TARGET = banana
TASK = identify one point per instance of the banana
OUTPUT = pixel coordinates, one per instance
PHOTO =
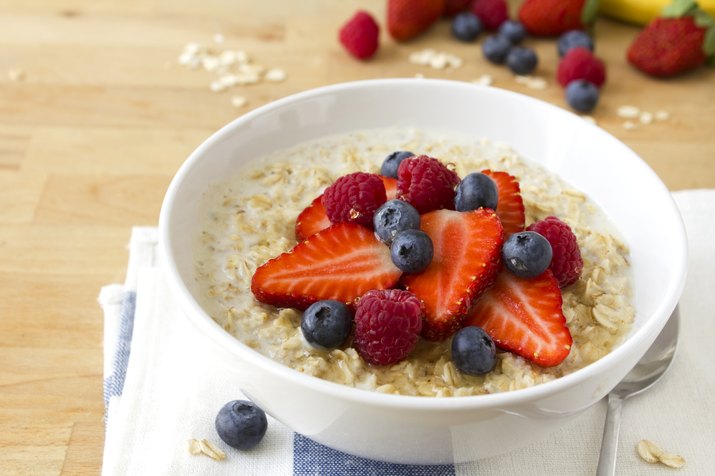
(642, 12)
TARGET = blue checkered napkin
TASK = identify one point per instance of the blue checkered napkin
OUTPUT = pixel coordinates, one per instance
(119, 358)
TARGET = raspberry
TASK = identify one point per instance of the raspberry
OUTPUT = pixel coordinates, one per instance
(387, 325)
(492, 12)
(360, 35)
(566, 264)
(580, 63)
(426, 184)
(354, 198)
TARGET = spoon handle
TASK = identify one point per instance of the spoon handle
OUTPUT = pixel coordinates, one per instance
(609, 443)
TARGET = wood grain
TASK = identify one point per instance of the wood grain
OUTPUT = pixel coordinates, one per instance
(102, 118)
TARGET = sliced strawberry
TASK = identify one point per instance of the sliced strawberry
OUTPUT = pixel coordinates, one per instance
(510, 206)
(390, 186)
(467, 247)
(524, 316)
(311, 220)
(341, 262)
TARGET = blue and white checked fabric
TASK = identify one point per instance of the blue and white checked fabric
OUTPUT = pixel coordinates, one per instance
(160, 391)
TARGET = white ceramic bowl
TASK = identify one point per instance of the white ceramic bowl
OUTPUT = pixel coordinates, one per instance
(423, 429)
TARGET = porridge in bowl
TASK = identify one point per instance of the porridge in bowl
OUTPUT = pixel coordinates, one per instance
(251, 220)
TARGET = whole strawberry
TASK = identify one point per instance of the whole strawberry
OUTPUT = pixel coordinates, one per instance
(553, 17)
(682, 39)
(409, 18)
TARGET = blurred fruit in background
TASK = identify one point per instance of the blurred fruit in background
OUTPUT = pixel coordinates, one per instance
(643, 11)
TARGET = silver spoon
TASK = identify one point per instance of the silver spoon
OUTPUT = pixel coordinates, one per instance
(647, 372)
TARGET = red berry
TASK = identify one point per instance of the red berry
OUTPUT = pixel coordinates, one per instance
(669, 46)
(492, 13)
(466, 258)
(342, 262)
(387, 325)
(566, 263)
(354, 198)
(426, 184)
(407, 19)
(524, 316)
(580, 63)
(553, 17)
(360, 35)
(452, 7)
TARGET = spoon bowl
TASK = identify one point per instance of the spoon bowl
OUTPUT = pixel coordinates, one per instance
(652, 366)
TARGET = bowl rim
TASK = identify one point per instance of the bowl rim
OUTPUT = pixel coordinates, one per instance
(211, 329)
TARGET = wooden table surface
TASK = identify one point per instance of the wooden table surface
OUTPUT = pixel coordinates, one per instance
(96, 115)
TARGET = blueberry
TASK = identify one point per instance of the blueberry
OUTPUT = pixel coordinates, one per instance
(392, 162)
(574, 39)
(241, 424)
(474, 191)
(473, 351)
(393, 217)
(327, 324)
(527, 254)
(513, 31)
(412, 251)
(495, 48)
(522, 60)
(466, 26)
(582, 95)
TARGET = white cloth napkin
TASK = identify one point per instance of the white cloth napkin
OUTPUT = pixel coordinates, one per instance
(161, 391)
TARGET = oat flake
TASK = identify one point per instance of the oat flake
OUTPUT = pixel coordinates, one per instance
(16, 74)
(238, 101)
(205, 447)
(652, 453)
(532, 82)
(628, 112)
(275, 75)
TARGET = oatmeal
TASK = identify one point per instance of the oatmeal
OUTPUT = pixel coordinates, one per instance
(251, 219)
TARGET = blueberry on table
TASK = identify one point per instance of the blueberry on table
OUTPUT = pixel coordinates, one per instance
(466, 26)
(241, 424)
(522, 60)
(582, 95)
(527, 254)
(393, 217)
(412, 251)
(476, 190)
(513, 31)
(473, 351)
(326, 324)
(392, 163)
(574, 39)
(495, 48)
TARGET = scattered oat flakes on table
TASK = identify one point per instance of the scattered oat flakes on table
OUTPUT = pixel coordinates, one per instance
(435, 59)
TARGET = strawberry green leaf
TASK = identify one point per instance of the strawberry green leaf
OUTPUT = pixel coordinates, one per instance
(703, 19)
(589, 12)
(709, 43)
(678, 8)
